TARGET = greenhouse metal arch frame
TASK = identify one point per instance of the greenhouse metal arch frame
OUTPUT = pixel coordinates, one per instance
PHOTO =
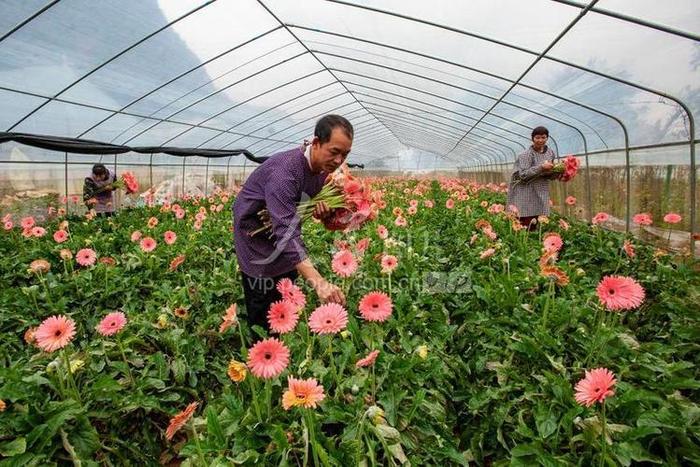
(411, 124)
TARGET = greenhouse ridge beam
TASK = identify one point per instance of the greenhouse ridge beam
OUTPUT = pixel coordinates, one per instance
(471, 91)
(110, 60)
(301, 42)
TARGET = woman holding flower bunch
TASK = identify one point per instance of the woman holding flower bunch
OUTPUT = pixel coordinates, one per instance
(277, 186)
(98, 188)
(529, 186)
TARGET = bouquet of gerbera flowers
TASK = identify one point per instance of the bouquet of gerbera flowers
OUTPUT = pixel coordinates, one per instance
(567, 169)
(128, 182)
(350, 201)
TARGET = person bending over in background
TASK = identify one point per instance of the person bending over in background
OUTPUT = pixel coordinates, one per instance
(98, 190)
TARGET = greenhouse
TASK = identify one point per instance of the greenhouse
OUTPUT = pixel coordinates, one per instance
(331, 232)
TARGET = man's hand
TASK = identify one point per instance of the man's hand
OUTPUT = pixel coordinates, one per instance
(328, 292)
(321, 211)
(547, 166)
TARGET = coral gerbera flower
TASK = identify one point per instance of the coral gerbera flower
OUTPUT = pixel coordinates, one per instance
(368, 360)
(628, 247)
(291, 293)
(237, 371)
(382, 232)
(112, 323)
(595, 387)
(552, 242)
(181, 312)
(672, 218)
(169, 237)
(620, 293)
(178, 260)
(86, 257)
(60, 236)
(282, 316)
(600, 217)
(552, 272)
(55, 333)
(229, 319)
(268, 358)
(303, 393)
(136, 235)
(344, 263)
(487, 253)
(330, 318)
(375, 306)
(147, 244)
(389, 263)
(179, 420)
(643, 218)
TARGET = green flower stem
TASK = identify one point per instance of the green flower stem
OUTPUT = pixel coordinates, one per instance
(253, 394)
(550, 296)
(69, 376)
(604, 440)
(126, 362)
(197, 443)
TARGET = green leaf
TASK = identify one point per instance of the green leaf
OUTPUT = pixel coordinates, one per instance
(14, 447)
(547, 425)
(214, 428)
(522, 450)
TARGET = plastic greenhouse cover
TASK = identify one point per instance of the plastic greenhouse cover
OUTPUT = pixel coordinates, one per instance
(428, 84)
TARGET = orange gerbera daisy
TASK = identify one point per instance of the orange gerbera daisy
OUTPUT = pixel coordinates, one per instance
(179, 420)
(302, 393)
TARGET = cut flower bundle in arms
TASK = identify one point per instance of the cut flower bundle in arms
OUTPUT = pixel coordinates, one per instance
(350, 200)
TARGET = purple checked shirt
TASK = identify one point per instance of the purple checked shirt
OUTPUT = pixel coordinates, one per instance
(278, 184)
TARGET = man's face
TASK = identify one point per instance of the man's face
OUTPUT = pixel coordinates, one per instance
(329, 156)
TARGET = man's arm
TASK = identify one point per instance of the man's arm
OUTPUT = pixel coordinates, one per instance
(326, 291)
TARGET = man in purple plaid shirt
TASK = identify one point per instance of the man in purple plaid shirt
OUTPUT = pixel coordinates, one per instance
(278, 185)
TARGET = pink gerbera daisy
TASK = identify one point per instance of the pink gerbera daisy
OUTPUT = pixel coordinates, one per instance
(55, 333)
(283, 316)
(552, 242)
(620, 293)
(112, 323)
(368, 360)
(595, 387)
(330, 318)
(291, 292)
(86, 257)
(643, 218)
(38, 231)
(389, 263)
(382, 232)
(672, 218)
(27, 222)
(169, 237)
(450, 203)
(375, 306)
(147, 244)
(600, 218)
(60, 236)
(570, 200)
(344, 263)
(302, 393)
(628, 247)
(136, 235)
(362, 245)
(268, 358)
(487, 253)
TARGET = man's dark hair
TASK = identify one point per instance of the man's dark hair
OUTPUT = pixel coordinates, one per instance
(540, 130)
(325, 126)
(99, 169)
